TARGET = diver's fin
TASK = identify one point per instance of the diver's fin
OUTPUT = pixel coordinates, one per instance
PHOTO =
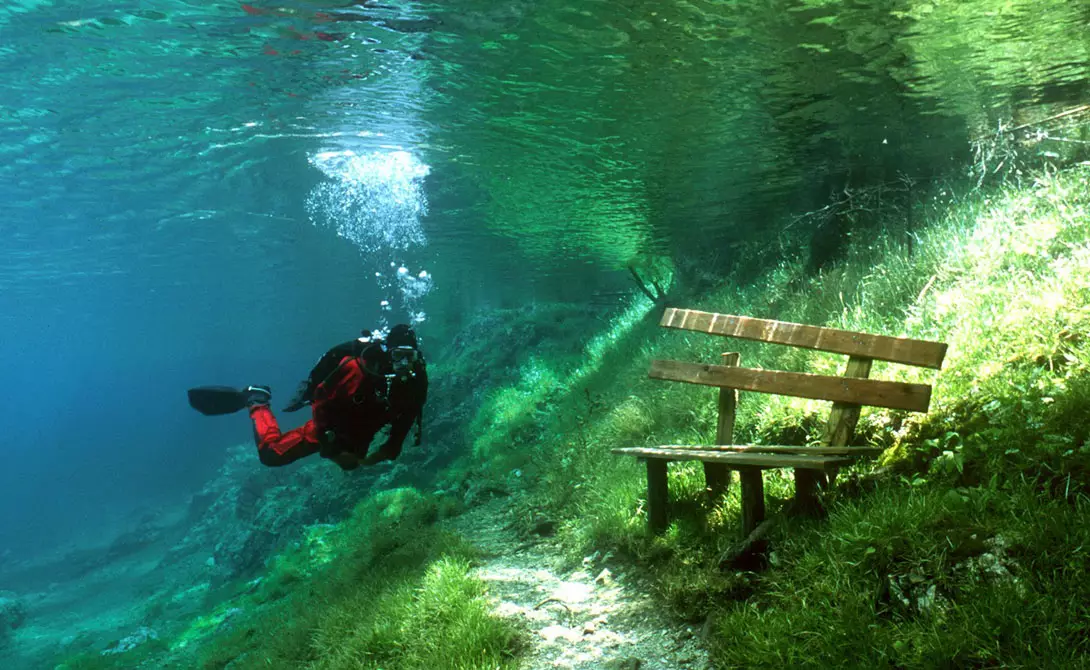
(214, 400)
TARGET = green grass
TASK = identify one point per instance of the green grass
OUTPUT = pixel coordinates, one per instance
(394, 592)
(441, 620)
(387, 589)
(995, 477)
(825, 606)
(1003, 276)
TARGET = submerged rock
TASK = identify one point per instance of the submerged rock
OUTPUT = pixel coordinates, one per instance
(146, 534)
(141, 636)
(480, 492)
(907, 595)
(544, 528)
(992, 565)
(12, 612)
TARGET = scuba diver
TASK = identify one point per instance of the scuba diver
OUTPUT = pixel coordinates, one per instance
(354, 390)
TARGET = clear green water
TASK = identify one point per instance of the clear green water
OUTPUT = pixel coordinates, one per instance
(206, 191)
(560, 134)
(225, 188)
(236, 185)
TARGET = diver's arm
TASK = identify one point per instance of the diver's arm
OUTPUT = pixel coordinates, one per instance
(391, 448)
(422, 382)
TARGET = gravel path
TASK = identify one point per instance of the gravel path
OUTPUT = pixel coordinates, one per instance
(592, 617)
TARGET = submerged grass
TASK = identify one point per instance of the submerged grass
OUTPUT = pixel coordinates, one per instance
(385, 589)
(911, 577)
(397, 592)
(968, 549)
(995, 477)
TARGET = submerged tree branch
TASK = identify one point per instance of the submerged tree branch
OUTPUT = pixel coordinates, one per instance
(658, 296)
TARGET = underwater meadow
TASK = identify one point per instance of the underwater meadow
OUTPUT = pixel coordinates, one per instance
(211, 195)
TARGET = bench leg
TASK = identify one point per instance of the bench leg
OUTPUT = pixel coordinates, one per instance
(657, 494)
(806, 487)
(753, 499)
(716, 480)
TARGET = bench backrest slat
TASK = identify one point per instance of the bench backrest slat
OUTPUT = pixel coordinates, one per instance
(894, 395)
(881, 347)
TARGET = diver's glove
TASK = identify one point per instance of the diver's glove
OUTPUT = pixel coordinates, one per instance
(299, 400)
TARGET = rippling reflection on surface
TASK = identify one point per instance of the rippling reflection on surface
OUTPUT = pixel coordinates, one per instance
(561, 137)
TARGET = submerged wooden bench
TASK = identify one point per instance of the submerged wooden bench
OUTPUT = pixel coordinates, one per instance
(848, 394)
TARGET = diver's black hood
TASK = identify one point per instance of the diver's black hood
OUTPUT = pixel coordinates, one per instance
(401, 335)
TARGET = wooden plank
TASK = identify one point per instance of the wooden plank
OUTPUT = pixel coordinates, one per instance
(844, 416)
(921, 353)
(776, 449)
(734, 460)
(717, 475)
(657, 495)
(894, 395)
(753, 499)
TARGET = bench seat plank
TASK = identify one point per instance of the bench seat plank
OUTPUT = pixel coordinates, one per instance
(763, 461)
(921, 353)
(776, 449)
(893, 395)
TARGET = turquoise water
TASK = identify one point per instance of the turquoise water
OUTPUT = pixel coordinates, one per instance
(215, 192)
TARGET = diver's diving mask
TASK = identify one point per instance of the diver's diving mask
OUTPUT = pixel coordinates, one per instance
(403, 359)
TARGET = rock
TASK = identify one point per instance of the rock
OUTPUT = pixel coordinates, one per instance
(245, 552)
(199, 504)
(707, 629)
(926, 600)
(396, 477)
(604, 578)
(544, 528)
(12, 611)
(554, 633)
(141, 636)
(630, 663)
(146, 534)
(992, 565)
(906, 595)
(480, 492)
(227, 622)
(591, 627)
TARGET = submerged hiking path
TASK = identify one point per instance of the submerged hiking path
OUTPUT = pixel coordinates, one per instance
(581, 617)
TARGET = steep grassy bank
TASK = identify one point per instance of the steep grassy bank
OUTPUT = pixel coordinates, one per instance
(275, 568)
(967, 549)
(386, 588)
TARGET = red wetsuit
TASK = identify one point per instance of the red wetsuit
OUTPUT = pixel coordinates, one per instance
(348, 408)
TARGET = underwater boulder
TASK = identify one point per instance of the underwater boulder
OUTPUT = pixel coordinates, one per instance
(12, 612)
